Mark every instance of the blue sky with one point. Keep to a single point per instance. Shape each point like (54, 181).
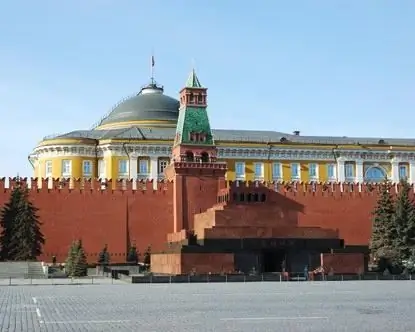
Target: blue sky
(329, 67)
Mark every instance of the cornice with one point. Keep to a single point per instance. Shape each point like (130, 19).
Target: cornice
(272, 153)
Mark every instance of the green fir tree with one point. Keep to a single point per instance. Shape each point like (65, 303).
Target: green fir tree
(405, 222)
(132, 255)
(76, 263)
(21, 237)
(384, 231)
(7, 221)
(69, 264)
(80, 265)
(104, 256)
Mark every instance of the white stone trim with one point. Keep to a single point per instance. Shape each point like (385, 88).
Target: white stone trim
(261, 176)
(341, 170)
(298, 177)
(395, 170)
(332, 178)
(317, 175)
(412, 172)
(68, 173)
(276, 177)
(119, 172)
(87, 175)
(275, 153)
(242, 176)
(102, 168)
(359, 177)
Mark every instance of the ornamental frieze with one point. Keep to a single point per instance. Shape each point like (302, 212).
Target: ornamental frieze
(223, 152)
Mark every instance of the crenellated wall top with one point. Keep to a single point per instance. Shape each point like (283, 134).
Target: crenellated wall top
(123, 185)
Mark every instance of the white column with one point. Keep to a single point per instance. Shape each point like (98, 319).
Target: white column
(359, 171)
(412, 172)
(394, 170)
(133, 164)
(154, 170)
(340, 170)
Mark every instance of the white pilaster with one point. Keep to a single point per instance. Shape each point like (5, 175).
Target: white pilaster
(411, 171)
(340, 170)
(154, 170)
(359, 171)
(395, 170)
(133, 164)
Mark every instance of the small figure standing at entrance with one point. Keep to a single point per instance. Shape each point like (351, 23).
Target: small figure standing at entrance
(53, 260)
(306, 273)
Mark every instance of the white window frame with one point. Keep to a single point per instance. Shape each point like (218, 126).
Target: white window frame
(66, 168)
(240, 175)
(162, 164)
(334, 176)
(298, 166)
(276, 175)
(143, 166)
(48, 168)
(84, 166)
(347, 167)
(315, 176)
(406, 172)
(101, 168)
(258, 166)
(123, 163)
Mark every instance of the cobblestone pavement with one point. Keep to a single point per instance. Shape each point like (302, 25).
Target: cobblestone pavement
(371, 306)
(59, 281)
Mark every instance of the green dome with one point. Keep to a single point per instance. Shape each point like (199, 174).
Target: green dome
(149, 104)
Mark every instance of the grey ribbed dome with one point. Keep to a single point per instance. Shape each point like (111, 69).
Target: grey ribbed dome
(149, 104)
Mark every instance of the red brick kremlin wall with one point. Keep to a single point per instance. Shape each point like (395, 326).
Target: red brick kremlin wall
(108, 216)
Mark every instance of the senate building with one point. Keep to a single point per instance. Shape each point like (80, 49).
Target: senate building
(135, 140)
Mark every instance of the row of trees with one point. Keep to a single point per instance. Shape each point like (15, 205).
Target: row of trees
(76, 263)
(21, 238)
(392, 244)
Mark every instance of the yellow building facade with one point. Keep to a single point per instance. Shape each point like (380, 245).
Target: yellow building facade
(135, 139)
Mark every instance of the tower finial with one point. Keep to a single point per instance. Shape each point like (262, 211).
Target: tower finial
(152, 67)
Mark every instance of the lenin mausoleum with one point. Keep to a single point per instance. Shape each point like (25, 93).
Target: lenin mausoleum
(154, 173)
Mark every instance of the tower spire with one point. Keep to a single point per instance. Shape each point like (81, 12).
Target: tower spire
(193, 80)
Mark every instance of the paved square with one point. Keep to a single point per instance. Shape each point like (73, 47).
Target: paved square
(306, 306)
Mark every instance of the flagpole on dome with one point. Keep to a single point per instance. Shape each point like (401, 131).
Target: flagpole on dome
(152, 68)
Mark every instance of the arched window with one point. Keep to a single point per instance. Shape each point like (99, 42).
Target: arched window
(190, 156)
(204, 156)
(375, 174)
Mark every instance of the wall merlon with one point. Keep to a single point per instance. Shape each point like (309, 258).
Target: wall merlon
(309, 187)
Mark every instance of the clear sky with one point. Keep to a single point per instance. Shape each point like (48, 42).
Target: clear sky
(328, 67)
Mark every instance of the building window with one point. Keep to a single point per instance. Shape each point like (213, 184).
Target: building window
(403, 172)
(101, 169)
(349, 171)
(66, 168)
(375, 174)
(276, 171)
(162, 166)
(295, 171)
(87, 167)
(312, 171)
(259, 171)
(240, 170)
(48, 168)
(143, 166)
(331, 171)
(123, 167)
